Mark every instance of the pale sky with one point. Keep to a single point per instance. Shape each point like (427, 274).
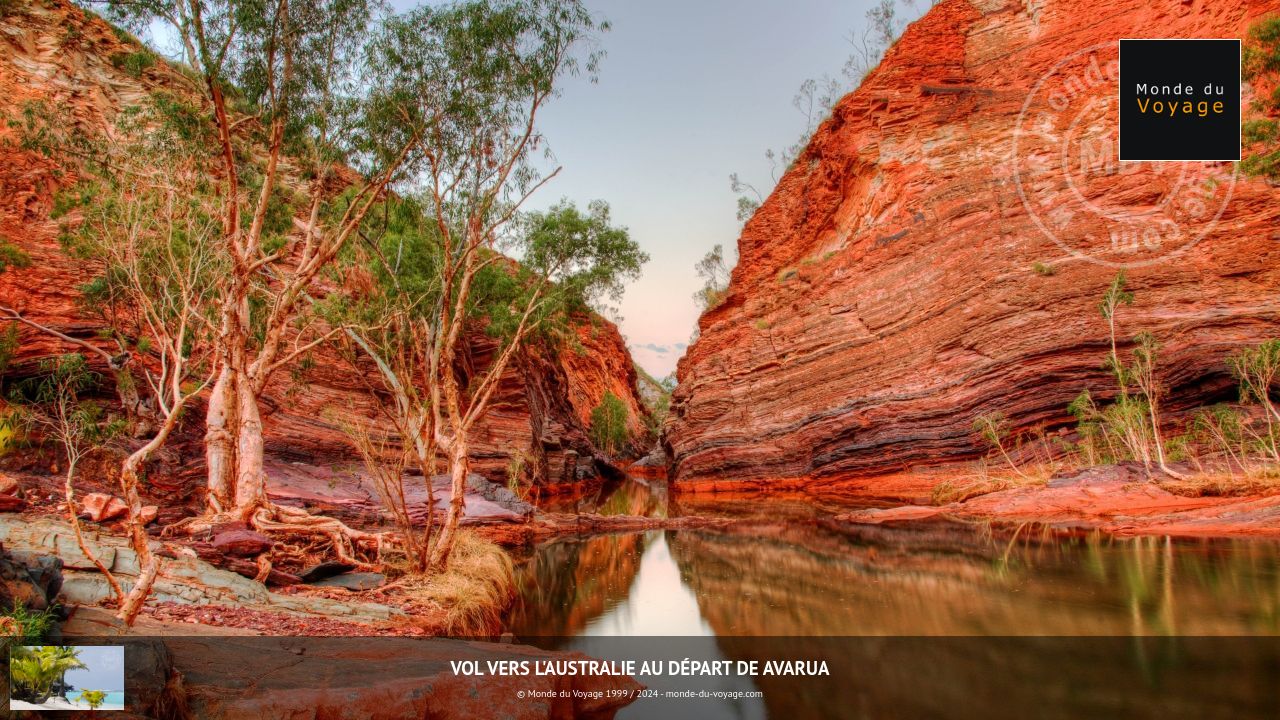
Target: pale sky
(105, 669)
(689, 92)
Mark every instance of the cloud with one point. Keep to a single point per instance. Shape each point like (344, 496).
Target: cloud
(655, 348)
(681, 346)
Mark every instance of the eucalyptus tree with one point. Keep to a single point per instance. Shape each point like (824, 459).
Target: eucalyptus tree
(152, 237)
(569, 260)
(478, 75)
(282, 84)
(145, 229)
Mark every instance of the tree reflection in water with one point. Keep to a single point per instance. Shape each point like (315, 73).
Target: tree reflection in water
(801, 581)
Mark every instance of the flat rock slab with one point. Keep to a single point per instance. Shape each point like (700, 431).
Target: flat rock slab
(312, 484)
(183, 579)
(354, 581)
(316, 573)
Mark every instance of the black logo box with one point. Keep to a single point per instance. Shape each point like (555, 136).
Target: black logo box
(1188, 65)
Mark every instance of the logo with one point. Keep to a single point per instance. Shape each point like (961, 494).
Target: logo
(1078, 192)
(1180, 100)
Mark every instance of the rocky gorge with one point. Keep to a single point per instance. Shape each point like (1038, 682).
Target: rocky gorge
(57, 54)
(927, 260)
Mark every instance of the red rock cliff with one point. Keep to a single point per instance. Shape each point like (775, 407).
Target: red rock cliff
(53, 52)
(924, 261)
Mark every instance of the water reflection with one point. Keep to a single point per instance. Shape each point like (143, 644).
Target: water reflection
(785, 584)
(785, 577)
(628, 496)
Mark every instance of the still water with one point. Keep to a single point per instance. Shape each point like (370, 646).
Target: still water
(789, 574)
(968, 609)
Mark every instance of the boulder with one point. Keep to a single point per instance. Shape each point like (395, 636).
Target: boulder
(101, 507)
(499, 495)
(29, 579)
(11, 503)
(148, 514)
(8, 485)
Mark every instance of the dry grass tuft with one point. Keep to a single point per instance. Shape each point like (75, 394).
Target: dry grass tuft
(472, 594)
(1259, 480)
(984, 482)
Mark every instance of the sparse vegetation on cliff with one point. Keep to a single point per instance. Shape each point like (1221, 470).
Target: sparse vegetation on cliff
(1231, 450)
(714, 273)
(230, 225)
(1262, 60)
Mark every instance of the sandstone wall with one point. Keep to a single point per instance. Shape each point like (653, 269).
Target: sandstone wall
(896, 284)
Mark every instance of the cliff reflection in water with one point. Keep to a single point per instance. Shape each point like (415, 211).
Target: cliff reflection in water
(793, 574)
(956, 580)
(791, 585)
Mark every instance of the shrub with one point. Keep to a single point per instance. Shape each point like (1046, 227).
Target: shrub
(609, 423)
(133, 64)
(12, 256)
(1258, 369)
(27, 624)
(93, 698)
(1043, 269)
(994, 429)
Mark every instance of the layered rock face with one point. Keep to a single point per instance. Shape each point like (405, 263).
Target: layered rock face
(940, 248)
(53, 52)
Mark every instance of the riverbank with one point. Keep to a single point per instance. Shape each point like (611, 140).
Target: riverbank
(1117, 499)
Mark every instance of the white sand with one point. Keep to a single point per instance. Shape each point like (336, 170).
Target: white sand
(57, 703)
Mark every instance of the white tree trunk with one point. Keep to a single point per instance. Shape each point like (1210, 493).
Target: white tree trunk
(459, 468)
(251, 489)
(220, 442)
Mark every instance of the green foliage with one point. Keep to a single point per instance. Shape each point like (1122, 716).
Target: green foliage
(26, 624)
(1257, 369)
(12, 256)
(8, 346)
(55, 399)
(1262, 57)
(584, 254)
(134, 63)
(1220, 428)
(33, 671)
(609, 424)
(183, 121)
(93, 698)
(58, 375)
(1115, 296)
(993, 427)
(714, 272)
(1044, 269)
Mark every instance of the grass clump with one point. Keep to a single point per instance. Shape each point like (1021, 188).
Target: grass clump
(1044, 269)
(472, 593)
(985, 482)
